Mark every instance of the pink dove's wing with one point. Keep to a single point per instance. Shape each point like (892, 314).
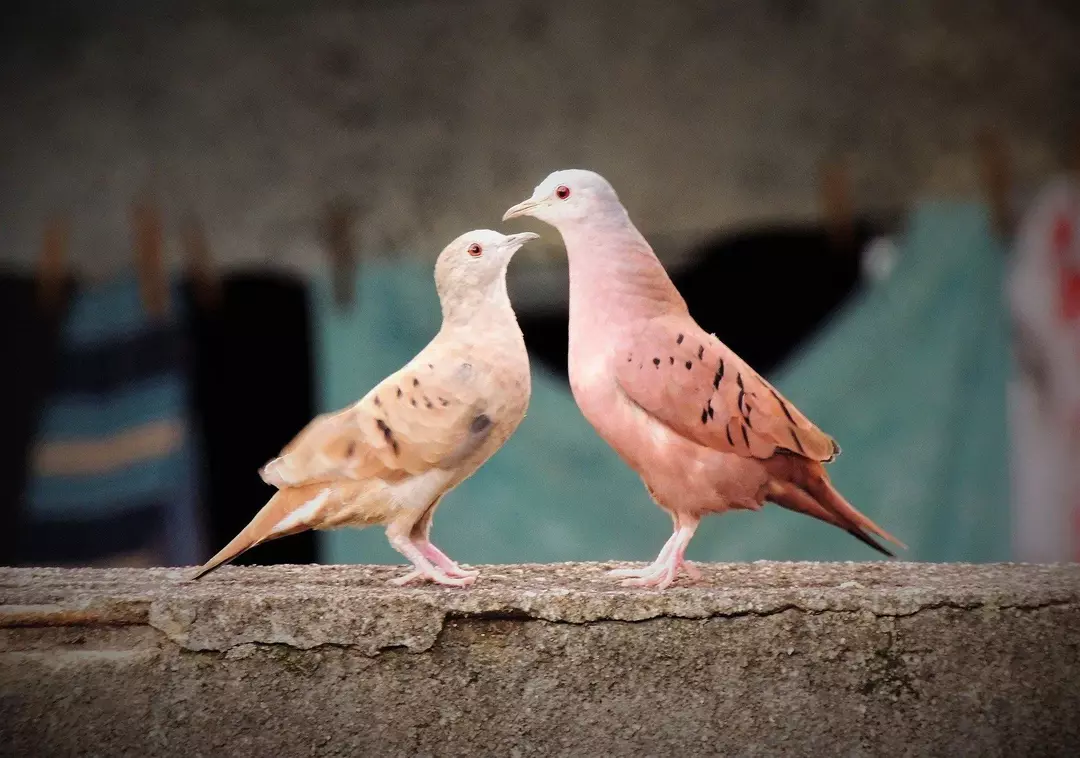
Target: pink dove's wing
(697, 386)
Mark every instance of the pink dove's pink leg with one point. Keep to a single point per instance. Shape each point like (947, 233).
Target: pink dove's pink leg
(667, 567)
(656, 564)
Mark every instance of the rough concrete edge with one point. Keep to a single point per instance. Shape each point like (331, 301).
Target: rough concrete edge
(374, 619)
(416, 626)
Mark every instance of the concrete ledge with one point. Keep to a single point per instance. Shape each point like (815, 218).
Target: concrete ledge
(757, 659)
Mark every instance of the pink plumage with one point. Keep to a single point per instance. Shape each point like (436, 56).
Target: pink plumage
(704, 430)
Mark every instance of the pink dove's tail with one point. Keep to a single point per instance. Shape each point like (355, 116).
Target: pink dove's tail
(815, 496)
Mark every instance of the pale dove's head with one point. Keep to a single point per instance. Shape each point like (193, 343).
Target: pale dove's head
(469, 266)
(569, 197)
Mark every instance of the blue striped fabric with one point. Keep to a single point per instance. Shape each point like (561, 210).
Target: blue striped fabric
(113, 466)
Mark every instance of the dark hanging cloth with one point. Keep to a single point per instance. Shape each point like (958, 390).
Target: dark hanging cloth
(762, 292)
(28, 343)
(111, 480)
(253, 392)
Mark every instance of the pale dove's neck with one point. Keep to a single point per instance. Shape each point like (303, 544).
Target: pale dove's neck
(480, 314)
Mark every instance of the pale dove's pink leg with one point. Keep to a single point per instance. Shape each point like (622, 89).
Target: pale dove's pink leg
(440, 559)
(666, 568)
(423, 568)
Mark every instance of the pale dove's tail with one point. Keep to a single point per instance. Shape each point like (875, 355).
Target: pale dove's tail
(815, 496)
(267, 525)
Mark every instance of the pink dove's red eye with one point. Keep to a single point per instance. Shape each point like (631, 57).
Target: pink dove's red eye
(475, 250)
(562, 192)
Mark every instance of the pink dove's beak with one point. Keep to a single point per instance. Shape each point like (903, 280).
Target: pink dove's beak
(521, 209)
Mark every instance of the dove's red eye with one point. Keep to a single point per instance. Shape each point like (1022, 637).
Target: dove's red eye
(562, 192)
(475, 250)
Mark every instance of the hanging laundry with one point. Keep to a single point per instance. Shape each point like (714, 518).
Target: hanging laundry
(818, 276)
(111, 471)
(1044, 395)
(910, 379)
(28, 340)
(253, 391)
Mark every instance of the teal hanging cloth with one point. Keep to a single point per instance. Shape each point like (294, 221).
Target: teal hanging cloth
(911, 379)
(554, 492)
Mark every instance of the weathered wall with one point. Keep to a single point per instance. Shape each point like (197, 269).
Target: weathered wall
(758, 659)
(436, 116)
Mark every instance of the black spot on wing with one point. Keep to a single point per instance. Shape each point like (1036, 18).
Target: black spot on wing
(480, 424)
(415, 382)
(427, 403)
(350, 449)
(412, 401)
(700, 352)
(443, 402)
(399, 392)
(678, 340)
(709, 407)
(719, 375)
(689, 365)
(727, 431)
(671, 360)
(656, 362)
(377, 401)
(745, 436)
(795, 437)
(704, 415)
(388, 434)
(783, 406)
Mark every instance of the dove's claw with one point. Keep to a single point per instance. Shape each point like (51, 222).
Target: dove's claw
(440, 559)
(665, 569)
(434, 575)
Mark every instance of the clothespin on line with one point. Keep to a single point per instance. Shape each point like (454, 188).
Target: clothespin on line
(52, 261)
(200, 264)
(836, 201)
(337, 231)
(996, 176)
(149, 251)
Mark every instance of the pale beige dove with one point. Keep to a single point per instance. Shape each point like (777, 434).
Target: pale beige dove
(704, 430)
(423, 430)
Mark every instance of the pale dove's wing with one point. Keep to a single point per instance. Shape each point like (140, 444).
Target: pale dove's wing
(696, 385)
(429, 414)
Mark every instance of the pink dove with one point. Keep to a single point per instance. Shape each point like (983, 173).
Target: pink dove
(389, 458)
(704, 431)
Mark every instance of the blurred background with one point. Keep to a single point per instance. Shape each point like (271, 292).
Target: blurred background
(218, 219)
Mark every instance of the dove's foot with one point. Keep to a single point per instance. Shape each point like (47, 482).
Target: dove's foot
(442, 561)
(425, 558)
(433, 575)
(665, 569)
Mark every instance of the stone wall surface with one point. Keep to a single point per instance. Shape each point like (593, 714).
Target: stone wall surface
(436, 116)
(755, 659)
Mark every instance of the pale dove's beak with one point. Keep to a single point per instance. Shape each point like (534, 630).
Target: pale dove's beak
(515, 241)
(521, 209)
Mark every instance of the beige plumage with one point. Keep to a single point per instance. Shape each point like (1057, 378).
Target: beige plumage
(423, 430)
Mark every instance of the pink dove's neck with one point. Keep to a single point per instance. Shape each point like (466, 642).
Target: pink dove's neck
(615, 277)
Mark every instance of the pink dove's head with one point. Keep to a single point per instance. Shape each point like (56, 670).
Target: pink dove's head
(569, 197)
(475, 260)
